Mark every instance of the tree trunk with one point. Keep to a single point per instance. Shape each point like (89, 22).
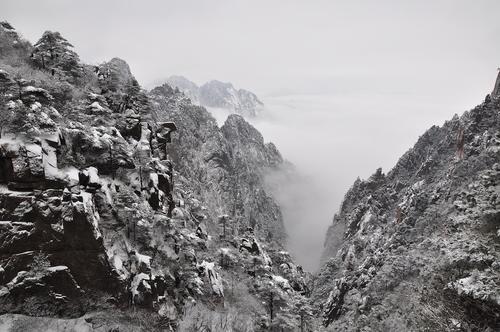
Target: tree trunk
(271, 308)
(20, 90)
(140, 177)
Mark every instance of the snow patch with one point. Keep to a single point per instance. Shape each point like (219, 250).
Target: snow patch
(57, 268)
(213, 277)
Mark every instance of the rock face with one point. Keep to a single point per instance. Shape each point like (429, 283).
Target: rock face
(218, 94)
(496, 89)
(418, 248)
(134, 209)
(233, 159)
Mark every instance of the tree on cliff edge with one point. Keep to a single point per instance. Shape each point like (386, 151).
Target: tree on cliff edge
(54, 53)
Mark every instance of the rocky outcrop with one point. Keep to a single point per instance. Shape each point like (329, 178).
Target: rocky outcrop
(417, 248)
(496, 89)
(233, 159)
(132, 208)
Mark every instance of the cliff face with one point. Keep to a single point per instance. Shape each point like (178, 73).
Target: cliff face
(496, 89)
(226, 165)
(133, 209)
(418, 249)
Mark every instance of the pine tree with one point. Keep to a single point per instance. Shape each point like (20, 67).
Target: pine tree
(134, 97)
(54, 53)
(302, 308)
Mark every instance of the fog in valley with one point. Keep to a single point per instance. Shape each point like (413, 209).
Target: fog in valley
(331, 140)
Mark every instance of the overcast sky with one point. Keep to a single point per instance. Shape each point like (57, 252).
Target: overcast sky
(349, 85)
(271, 46)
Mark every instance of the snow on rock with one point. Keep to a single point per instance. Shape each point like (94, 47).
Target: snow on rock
(90, 177)
(480, 285)
(208, 268)
(57, 268)
(140, 287)
(12, 104)
(97, 185)
(91, 213)
(139, 263)
(265, 256)
(96, 106)
(429, 225)
(38, 94)
(32, 89)
(280, 281)
(36, 105)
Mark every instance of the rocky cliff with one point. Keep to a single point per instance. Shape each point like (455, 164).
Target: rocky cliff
(417, 249)
(226, 163)
(129, 210)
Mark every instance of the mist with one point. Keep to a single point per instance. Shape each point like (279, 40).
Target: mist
(332, 139)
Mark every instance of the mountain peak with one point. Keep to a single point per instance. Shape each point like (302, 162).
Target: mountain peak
(219, 94)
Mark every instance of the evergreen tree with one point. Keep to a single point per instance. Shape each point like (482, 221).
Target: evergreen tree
(134, 97)
(54, 53)
(302, 309)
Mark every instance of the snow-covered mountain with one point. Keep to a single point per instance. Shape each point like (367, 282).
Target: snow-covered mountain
(128, 210)
(417, 249)
(217, 94)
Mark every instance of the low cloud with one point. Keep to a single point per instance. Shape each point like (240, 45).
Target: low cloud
(331, 140)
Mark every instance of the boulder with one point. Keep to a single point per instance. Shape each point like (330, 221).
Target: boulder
(129, 124)
(31, 94)
(46, 291)
(103, 148)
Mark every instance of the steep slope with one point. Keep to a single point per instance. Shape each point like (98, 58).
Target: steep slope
(216, 94)
(418, 249)
(226, 163)
(132, 209)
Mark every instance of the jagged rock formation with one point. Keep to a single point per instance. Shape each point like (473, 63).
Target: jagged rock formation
(218, 94)
(496, 89)
(133, 209)
(231, 159)
(418, 249)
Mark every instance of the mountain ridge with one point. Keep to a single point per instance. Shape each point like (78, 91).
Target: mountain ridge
(130, 208)
(418, 248)
(217, 94)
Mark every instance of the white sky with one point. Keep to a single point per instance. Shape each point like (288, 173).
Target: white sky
(271, 46)
(360, 80)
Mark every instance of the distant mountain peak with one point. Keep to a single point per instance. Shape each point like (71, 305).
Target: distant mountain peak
(218, 94)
